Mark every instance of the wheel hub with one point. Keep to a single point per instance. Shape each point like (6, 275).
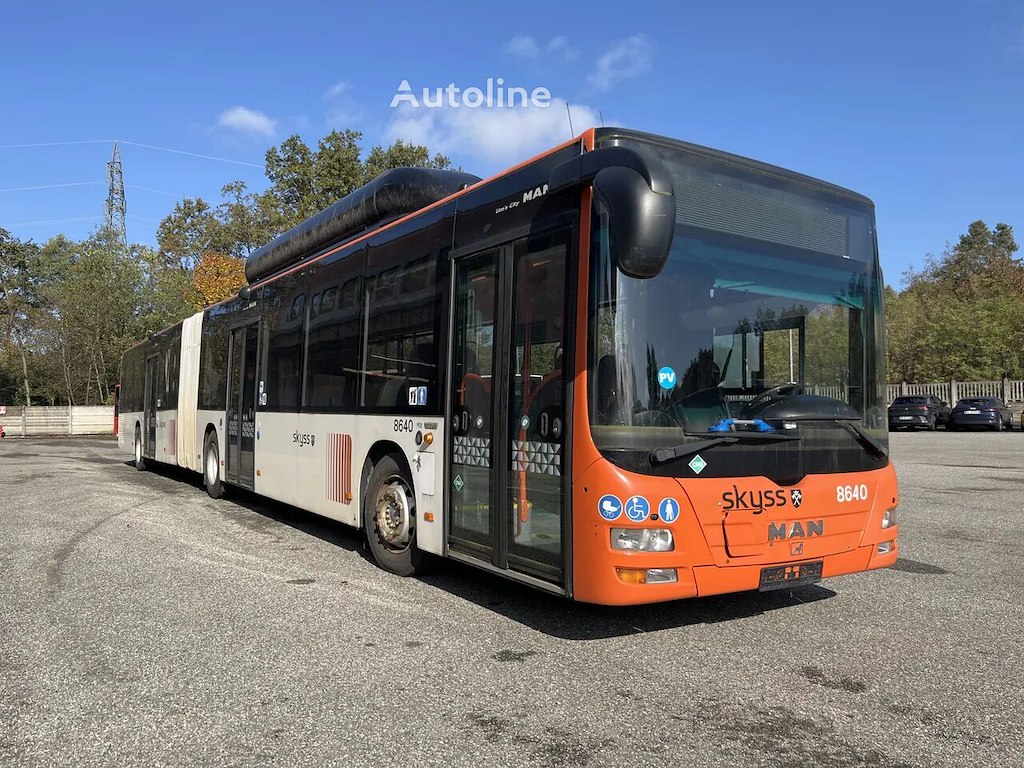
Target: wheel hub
(393, 514)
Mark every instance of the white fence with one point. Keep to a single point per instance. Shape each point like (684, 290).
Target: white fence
(1010, 390)
(19, 421)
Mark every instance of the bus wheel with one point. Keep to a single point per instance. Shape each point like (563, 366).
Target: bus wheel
(211, 467)
(140, 461)
(389, 518)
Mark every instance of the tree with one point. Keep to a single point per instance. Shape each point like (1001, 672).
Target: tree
(304, 181)
(400, 155)
(962, 315)
(218, 277)
(187, 232)
(16, 295)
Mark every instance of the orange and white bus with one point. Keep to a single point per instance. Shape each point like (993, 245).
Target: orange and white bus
(628, 370)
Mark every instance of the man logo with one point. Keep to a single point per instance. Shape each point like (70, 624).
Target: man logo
(801, 529)
(796, 548)
(797, 497)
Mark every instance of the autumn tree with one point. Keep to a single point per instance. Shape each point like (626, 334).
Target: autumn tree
(218, 277)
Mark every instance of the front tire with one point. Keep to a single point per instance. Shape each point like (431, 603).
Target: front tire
(140, 460)
(211, 467)
(389, 518)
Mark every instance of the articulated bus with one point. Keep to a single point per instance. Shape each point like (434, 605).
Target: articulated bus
(628, 370)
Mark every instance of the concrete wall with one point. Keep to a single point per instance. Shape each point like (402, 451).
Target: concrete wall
(19, 421)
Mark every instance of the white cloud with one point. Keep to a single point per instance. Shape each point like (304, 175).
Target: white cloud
(342, 109)
(246, 121)
(626, 58)
(337, 90)
(486, 140)
(523, 46)
(527, 47)
(559, 46)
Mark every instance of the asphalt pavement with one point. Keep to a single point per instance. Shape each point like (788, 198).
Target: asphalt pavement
(142, 623)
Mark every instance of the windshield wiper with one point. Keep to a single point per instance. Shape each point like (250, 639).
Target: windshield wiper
(861, 436)
(661, 455)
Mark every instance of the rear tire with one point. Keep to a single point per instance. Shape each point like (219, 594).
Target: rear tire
(140, 460)
(211, 467)
(389, 518)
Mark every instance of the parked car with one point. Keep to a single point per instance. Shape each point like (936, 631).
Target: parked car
(988, 412)
(915, 411)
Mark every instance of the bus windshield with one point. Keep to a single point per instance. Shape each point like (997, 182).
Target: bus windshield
(771, 290)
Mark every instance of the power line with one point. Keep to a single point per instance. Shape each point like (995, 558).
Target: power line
(55, 144)
(149, 189)
(54, 221)
(190, 154)
(52, 186)
(133, 144)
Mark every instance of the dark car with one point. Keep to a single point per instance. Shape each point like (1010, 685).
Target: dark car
(990, 412)
(915, 411)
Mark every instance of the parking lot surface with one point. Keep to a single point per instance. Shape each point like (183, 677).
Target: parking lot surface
(142, 623)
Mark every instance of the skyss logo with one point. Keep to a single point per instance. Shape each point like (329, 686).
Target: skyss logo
(753, 501)
(301, 439)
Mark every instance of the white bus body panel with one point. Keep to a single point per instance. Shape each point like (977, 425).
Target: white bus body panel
(189, 446)
(203, 420)
(315, 461)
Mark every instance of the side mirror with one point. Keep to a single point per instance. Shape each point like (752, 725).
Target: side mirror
(636, 190)
(641, 221)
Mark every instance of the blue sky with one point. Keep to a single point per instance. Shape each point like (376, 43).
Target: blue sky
(916, 104)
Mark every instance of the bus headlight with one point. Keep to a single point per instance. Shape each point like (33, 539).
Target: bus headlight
(643, 539)
(889, 518)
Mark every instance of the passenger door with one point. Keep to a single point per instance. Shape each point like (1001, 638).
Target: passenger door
(508, 408)
(241, 405)
(150, 405)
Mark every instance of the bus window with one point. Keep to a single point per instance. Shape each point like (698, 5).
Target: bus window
(332, 353)
(283, 316)
(401, 348)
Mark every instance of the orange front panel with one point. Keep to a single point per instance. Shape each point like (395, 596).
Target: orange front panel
(754, 520)
(704, 563)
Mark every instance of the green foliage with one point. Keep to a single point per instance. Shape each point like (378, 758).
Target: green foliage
(303, 181)
(962, 316)
(68, 309)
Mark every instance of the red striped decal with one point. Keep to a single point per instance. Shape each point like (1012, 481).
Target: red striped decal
(339, 467)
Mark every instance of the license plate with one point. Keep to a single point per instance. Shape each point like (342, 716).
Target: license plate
(906, 418)
(973, 413)
(786, 576)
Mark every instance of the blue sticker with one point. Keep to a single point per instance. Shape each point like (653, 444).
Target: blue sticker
(668, 510)
(637, 508)
(610, 507)
(667, 378)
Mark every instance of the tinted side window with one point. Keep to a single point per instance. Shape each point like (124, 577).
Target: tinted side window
(401, 362)
(213, 365)
(332, 359)
(284, 315)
